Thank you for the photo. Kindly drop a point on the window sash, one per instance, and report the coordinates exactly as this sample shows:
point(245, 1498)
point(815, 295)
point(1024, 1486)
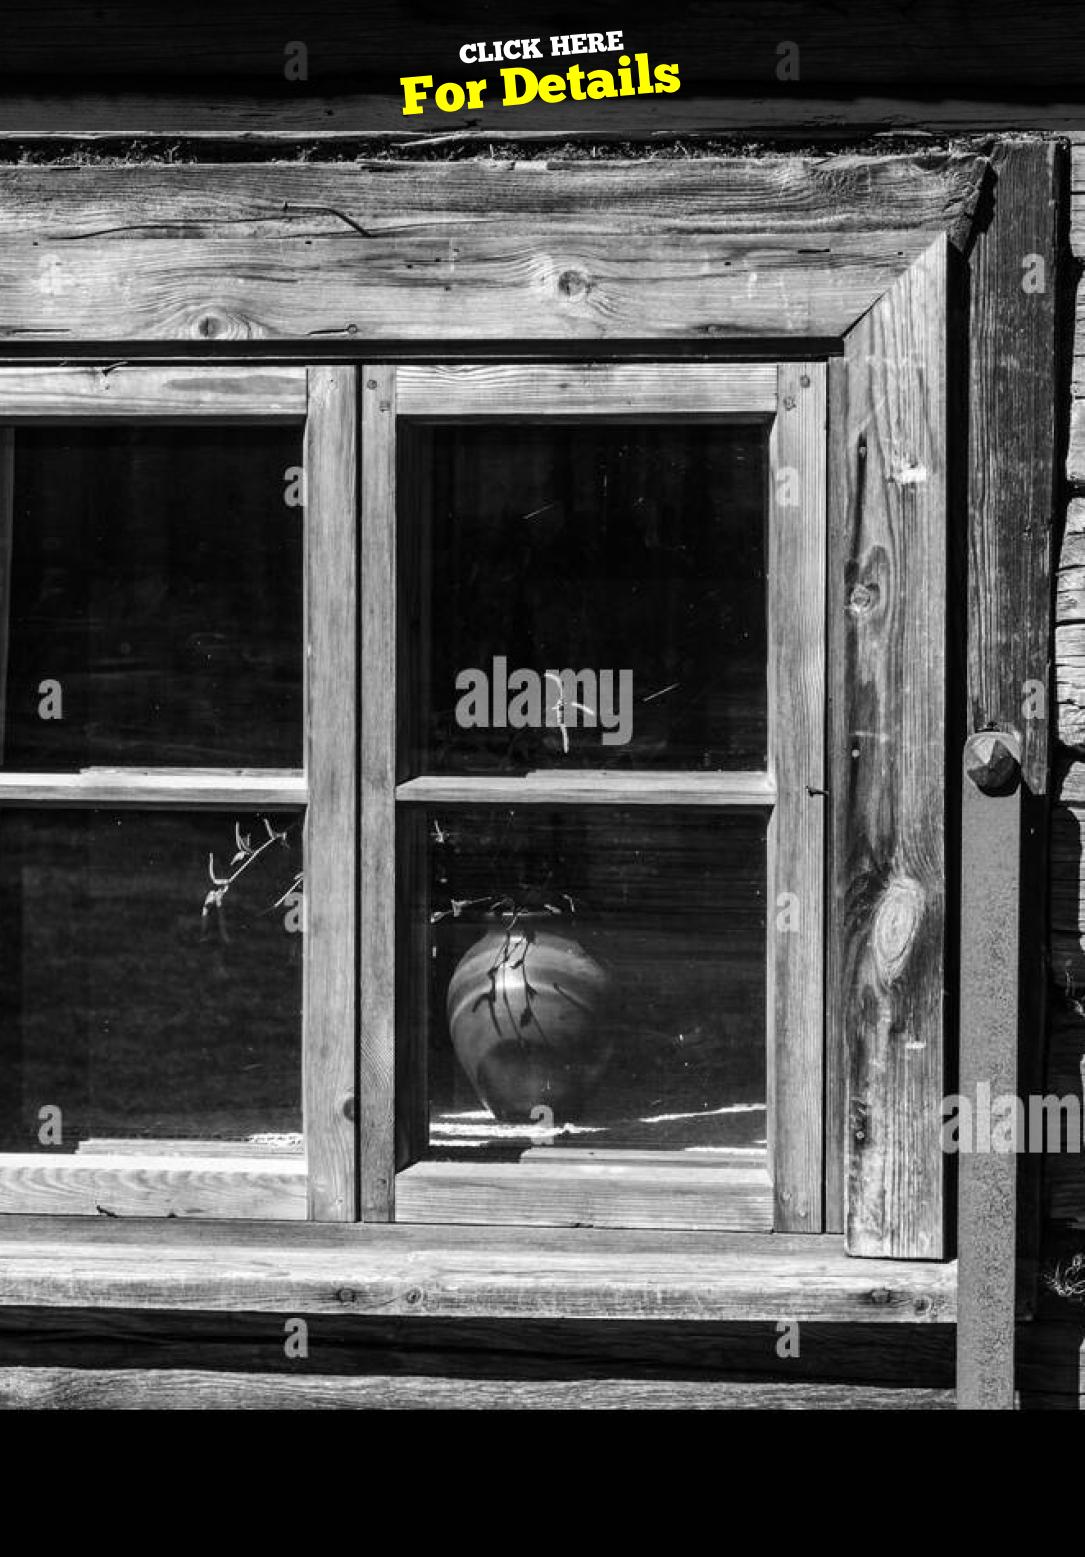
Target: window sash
point(784, 1188)
point(202, 1179)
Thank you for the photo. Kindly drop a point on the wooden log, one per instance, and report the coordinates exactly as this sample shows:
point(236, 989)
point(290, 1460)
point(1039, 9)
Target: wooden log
point(166, 1389)
point(240, 119)
point(272, 200)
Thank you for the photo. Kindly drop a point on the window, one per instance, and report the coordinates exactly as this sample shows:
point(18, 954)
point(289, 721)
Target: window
point(177, 791)
point(623, 673)
point(593, 793)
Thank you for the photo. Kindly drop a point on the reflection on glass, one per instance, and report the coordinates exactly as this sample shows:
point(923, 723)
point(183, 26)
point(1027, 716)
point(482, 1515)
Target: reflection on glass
point(139, 998)
point(155, 604)
point(596, 972)
point(583, 595)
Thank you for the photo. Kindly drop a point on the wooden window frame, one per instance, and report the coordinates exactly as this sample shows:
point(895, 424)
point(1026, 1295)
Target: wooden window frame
point(781, 1188)
point(204, 1181)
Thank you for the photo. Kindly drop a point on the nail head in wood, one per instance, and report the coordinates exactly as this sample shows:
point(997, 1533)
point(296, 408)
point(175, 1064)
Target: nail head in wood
point(992, 760)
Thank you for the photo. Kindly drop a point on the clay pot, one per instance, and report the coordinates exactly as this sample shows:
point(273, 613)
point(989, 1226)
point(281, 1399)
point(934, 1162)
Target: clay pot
point(525, 1008)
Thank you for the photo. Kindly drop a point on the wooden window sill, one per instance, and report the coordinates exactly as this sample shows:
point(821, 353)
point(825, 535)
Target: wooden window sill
point(460, 1272)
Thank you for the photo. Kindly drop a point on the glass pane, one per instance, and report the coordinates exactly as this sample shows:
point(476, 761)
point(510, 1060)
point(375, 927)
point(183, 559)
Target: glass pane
point(127, 1007)
point(583, 595)
point(594, 970)
point(155, 616)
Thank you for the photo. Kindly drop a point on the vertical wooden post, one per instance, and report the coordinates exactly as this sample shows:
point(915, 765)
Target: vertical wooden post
point(1012, 452)
point(331, 472)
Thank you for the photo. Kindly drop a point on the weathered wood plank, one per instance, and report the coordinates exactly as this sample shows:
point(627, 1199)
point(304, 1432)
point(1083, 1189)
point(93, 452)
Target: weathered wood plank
point(593, 787)
point(163, 1186)
point(156, 787)
point(1013, 431)
point(887, 633)
point(328, 1034)
point(124, 392)
point(538, 282)
point(170, 1389)
point(797, 672)
point(333, 119)
point(377, 948)
point(452, 1272)
point(746, 390)
point(840, 193)
point(1070, 630)
point(595, 1194)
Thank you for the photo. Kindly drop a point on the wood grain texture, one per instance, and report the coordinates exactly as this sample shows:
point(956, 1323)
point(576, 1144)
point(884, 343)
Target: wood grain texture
point(745, 790)
point(732, 195)
point(1067, 883)
point(1013, 416)
point(887, 615)
point(1070, 629)
point(329, 1030)
point(164, 1186)
point(377, 990)
point(169, 1389)
point(460, 1272)
point(151, 788)
point(1013, 434)
point(596, 1194)
point(240, 118)
point(796, 929)
point(123, 393)
point(454, 283)
point(589, 389)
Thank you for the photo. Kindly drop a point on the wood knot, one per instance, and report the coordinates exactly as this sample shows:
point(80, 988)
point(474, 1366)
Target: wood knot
point(896, 924)
point(862, 598)
point(992, 760)
point(573, 285)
